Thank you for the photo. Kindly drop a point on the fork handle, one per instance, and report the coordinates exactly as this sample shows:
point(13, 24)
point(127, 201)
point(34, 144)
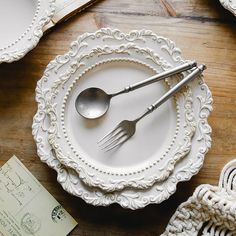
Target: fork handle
point(173, 91)
point(157, 77)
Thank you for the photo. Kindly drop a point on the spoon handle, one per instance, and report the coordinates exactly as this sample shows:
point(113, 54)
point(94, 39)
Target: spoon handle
point(157, 77)
point(173, 91)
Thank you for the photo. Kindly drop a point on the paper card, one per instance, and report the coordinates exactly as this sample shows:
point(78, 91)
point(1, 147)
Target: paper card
point(26, 207)
point(67, 8)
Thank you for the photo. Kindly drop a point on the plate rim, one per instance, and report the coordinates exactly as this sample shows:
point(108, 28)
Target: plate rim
point(30, 38)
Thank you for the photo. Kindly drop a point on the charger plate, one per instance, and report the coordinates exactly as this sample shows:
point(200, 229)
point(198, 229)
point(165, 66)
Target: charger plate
point(129, 197)
point(161, 141)
point(229, 5)
point(21, 26)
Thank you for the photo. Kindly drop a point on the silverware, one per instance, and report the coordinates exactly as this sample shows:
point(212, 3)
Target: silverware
point(94, 102)
point(126, 128)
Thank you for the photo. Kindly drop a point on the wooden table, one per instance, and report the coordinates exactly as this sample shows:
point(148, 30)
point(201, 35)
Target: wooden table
point(201, 28)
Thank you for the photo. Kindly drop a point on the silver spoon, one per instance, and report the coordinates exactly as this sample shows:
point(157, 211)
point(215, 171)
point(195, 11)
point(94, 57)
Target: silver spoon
point(93, 102)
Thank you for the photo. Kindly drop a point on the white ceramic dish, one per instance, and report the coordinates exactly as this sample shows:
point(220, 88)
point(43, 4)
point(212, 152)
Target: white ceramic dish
point(128, 198)
point(161, 141)
point(229, 5)
point(21, 25)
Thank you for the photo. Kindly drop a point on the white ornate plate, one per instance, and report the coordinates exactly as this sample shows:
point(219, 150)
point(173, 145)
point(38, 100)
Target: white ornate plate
point(161, 141)
point(229, 5)
point(128, 198)
point(21, 24)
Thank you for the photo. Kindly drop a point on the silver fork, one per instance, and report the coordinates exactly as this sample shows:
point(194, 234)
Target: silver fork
point(126, 128)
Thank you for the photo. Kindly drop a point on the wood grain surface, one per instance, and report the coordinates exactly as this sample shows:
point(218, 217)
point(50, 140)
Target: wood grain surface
point(204, 31)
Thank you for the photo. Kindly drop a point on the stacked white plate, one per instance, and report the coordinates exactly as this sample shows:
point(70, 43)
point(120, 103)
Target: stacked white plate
point(169, 145)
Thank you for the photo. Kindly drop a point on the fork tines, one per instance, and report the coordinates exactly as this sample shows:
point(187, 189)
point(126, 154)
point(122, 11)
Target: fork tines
point(114, 138)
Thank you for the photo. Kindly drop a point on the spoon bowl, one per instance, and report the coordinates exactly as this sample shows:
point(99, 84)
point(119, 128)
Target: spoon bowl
point(92, 103)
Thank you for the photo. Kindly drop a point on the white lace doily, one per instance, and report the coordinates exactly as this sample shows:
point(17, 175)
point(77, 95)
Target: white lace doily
point(211, 211)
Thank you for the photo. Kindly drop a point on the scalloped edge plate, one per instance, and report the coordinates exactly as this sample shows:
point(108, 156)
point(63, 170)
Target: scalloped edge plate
point(128, 166)
point(127, 198)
